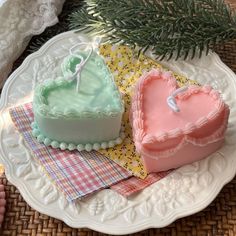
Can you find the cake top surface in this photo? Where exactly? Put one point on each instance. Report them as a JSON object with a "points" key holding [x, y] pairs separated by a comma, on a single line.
{"points": [[97, 96], [194, 104], [154, 119]]}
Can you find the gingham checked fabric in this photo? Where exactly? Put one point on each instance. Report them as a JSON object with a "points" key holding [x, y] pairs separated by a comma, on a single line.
{"points": [[134, 184], [77, 174]]}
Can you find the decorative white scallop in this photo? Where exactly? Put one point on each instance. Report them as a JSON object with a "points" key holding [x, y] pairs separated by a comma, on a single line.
{"points": [[109, 215], [160, 208], [23, 170], [218, 162], [130, 215], [18, 158], [96, 206], [46, 189], [205, 179], [63, 203], [11, 142], [189, 169], [74, 207], [145, 208], [32, 176], [22, 89], [51, 197], [39, 183]]}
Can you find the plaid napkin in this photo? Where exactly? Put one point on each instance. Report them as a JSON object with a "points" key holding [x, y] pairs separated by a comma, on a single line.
{"points": [[134, 185], [76, 174]]}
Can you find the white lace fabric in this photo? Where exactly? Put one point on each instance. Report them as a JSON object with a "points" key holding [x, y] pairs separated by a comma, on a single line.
{"points": [[19, 21]]}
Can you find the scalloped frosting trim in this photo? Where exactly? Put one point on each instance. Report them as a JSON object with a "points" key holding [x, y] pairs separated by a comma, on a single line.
{"points": [[72, 146], [41, 106], [186, 139], [136, 117]]}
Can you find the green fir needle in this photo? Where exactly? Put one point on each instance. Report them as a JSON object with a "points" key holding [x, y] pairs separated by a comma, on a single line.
{"points": [[170, 28]]}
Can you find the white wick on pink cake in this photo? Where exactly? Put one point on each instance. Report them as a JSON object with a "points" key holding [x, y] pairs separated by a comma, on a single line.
{"points": [[172, 126]]}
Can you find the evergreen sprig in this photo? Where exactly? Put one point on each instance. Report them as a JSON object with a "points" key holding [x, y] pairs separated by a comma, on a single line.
{"points": [[169, 28]]}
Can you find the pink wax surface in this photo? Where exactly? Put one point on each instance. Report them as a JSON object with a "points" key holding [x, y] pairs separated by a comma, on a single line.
{"points": [[189, 154], [167, 139], [159, 117]]}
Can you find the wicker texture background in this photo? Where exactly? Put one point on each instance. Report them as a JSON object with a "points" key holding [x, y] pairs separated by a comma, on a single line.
{"points": [[218, 219]]}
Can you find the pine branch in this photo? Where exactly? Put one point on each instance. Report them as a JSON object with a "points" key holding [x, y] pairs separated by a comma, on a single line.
{"points": [[169, 28]]}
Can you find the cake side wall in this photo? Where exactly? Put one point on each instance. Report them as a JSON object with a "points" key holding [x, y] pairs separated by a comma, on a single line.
{"points": [[188, 154], [80, 130]]}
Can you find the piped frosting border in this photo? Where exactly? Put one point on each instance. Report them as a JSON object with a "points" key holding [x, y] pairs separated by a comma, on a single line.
{"points": [[42, 108], [136, 117], [40, 102]]}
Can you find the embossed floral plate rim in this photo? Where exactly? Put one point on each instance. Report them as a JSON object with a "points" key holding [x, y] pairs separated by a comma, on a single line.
{"points": [[184, 192]]}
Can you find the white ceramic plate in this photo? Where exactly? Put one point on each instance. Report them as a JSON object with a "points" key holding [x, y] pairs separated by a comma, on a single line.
{"points": [[184, 192]]}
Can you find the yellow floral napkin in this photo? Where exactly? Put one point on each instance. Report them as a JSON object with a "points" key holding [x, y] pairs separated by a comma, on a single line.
{"points": [[127, 68]]}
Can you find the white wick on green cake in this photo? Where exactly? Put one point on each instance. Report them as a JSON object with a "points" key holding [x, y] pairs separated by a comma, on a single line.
{"points": [[80, 66]]}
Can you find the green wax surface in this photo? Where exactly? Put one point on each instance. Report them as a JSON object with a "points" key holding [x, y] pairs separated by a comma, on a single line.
{"points": [[96, 90]]}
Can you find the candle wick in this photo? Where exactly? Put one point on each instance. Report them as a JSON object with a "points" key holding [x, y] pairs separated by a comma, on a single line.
{"points": [[171, 101], [79, 67]]}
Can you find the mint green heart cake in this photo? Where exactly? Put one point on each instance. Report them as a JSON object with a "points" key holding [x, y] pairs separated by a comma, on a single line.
{"points": [[82, 115]]}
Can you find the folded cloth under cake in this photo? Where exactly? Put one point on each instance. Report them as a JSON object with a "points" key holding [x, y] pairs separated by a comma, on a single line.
{"points": [[78, 174]]}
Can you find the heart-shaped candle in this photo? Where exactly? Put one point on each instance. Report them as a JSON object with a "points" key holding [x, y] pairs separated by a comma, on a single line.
{"points": [[172, 126], [85, 115]]}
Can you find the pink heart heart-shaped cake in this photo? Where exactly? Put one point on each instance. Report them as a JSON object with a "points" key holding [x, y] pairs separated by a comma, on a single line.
{"points": [[175, 126]]}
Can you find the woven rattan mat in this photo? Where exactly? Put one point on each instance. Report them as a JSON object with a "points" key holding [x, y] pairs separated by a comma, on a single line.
{"points": [[218, 219]]}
